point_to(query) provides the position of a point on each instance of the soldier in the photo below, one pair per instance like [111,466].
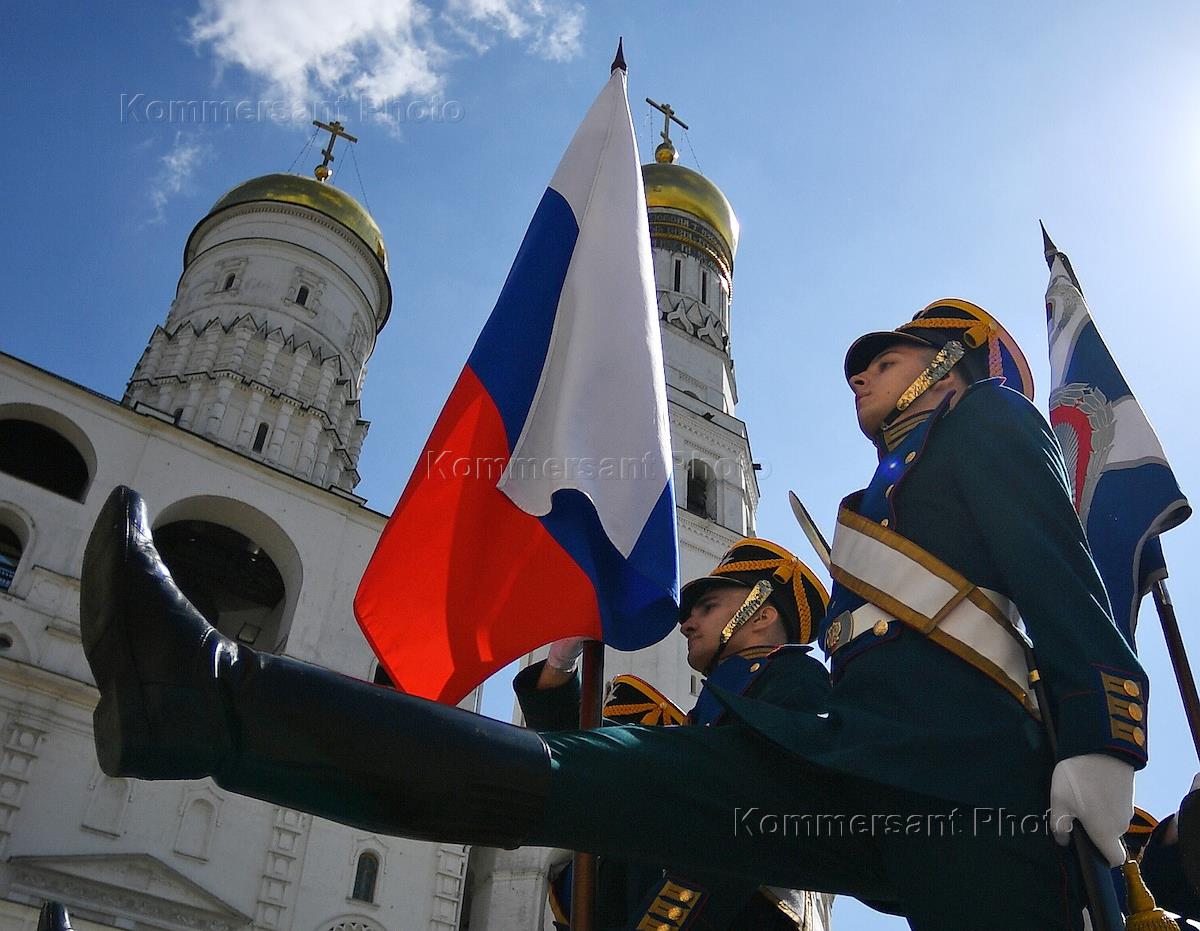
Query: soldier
[921,787]
[746,640]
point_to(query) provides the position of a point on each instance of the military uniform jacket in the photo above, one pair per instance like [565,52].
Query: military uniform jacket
[787,677]
[981,487]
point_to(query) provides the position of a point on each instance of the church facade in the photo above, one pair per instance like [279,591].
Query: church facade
[241,424]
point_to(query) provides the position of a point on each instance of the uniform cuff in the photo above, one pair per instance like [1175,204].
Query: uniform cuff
[1110,718]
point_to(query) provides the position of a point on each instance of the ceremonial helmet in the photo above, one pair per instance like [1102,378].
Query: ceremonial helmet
[988,351]
[796,593]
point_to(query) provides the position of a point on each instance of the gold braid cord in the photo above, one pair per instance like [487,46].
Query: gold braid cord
[942,363]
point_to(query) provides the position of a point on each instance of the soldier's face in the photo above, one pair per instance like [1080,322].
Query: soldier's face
[709,616]
[878,387]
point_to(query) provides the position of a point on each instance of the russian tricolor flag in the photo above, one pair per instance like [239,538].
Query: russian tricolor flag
[542,506]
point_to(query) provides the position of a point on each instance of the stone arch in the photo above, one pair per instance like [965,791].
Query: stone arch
[17,532]
[351,923]
[253,540]
[197,822]
[71,479]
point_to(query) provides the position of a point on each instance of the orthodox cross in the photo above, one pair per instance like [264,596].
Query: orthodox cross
[335,129]
[668,117]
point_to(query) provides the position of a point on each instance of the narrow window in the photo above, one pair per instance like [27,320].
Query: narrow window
[364,878]
[178,414]
[678,272]
[10,555]
[260,438]
[229,280]
[704,287]
[302,295]
[697,489]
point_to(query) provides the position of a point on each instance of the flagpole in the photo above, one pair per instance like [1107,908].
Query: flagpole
[583,872]
[1179,659]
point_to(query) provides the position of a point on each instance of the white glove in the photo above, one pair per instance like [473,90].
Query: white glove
[1097,789]
[564,653]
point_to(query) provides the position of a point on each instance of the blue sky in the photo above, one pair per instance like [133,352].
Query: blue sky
[879,155]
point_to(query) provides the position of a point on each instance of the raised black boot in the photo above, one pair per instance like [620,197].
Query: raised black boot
[178,700]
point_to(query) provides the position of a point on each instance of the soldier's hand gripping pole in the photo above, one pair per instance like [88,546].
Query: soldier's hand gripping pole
[1098,890]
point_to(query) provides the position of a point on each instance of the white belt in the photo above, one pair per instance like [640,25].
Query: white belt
[979,625]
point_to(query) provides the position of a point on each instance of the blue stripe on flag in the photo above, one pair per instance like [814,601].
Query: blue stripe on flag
[1126,508]
[1092,364]
[638,596]
[510,353]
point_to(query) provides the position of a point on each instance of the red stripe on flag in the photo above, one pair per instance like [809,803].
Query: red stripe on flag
[463,581]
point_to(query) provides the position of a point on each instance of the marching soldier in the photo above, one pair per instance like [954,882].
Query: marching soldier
[745,624]
[922,784]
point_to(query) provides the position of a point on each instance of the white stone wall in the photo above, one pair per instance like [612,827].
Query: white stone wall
[177,855]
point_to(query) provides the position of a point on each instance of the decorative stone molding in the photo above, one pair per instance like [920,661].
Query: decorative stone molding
[17,758]
[289,836]
[448,887]
[137,889]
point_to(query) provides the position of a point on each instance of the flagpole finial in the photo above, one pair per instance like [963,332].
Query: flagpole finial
[1048,244]
[619,59]
[1052,252]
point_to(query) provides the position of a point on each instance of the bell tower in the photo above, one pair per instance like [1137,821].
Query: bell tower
[264,349]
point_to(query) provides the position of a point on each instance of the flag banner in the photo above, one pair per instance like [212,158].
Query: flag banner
[1124,489]
[542,506]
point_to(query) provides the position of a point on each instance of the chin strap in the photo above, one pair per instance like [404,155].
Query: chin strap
[756,599]
[939,367]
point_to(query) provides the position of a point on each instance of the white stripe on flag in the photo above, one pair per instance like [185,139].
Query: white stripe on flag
[598,422]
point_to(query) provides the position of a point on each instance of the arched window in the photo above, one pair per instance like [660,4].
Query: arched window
[678,273]
[228,577]
[38,454]
[229,280]
[704,287]
[260,438]
[365,876]
[10,555]
[699,480]
[177,415]
[302,295]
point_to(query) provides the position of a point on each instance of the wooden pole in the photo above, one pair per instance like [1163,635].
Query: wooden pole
[591,710]
[1179,660]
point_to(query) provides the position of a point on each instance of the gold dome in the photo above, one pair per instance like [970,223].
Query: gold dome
[308,192]
[674,186]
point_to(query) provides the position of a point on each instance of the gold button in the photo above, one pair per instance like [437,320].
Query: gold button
[756,667]
[880,628]
[1139,737]
[884,522]
[1135,711]
[910,457]
[1132,689]
[674,912]
[888,492]
[664,927]
[685,896]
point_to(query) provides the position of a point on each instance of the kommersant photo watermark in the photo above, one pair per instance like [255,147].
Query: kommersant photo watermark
[139,107]
[445,464]
[979,822]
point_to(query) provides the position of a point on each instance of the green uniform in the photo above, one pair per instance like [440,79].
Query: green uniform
[936,778]
[627,892]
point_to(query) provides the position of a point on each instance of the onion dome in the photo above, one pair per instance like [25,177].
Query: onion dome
[673,186]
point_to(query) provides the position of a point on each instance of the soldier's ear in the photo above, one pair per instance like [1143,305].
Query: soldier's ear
[767,615]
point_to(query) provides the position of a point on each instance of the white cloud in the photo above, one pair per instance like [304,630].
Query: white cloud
[175,170]
[380,48]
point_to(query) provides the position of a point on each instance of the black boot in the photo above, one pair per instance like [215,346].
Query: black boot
[180,701]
